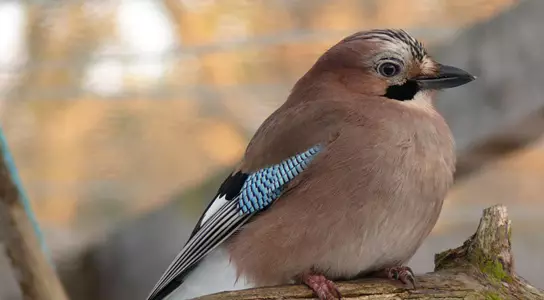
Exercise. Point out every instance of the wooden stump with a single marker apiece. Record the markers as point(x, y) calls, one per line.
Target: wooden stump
point(481, 268)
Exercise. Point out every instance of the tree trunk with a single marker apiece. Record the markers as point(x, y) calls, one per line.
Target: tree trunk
point(481, 268)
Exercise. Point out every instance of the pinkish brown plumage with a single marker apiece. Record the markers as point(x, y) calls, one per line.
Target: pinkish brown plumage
point(371, 195)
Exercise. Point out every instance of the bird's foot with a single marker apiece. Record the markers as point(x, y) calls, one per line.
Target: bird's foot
point(322, 287)
point(401, 273)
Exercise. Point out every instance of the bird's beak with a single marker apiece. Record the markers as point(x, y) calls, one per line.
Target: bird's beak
point(447, 77)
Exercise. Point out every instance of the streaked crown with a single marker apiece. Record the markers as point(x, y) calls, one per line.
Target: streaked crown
point(394, 38)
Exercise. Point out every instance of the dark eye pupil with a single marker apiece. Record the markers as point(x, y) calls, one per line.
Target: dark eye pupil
point(388, 69)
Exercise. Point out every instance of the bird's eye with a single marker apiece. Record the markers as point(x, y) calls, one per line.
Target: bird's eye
point(389, 69)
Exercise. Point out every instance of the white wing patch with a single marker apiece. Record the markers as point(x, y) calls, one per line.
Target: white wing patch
point(216, 205)
point(214, 274)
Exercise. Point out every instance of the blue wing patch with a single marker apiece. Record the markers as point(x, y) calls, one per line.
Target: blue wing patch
point(266, 185)
point(242, 195)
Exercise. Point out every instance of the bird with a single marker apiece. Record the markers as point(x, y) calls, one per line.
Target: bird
point(344, 180)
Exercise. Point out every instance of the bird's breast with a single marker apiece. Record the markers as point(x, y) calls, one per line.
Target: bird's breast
point(368, 205)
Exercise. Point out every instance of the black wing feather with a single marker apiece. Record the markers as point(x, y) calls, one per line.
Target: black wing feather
point(205, 237)
point(230, 188)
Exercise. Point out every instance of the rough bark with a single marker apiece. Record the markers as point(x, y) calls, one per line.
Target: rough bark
point(481, 268)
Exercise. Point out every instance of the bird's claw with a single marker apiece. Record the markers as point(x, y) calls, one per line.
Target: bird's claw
point(322, 287)
point(403, 274)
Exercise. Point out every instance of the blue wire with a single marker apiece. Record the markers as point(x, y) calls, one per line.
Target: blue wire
point(8, 159)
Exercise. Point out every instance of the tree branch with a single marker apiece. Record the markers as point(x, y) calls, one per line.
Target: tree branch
point(481, 268)
point(36, 277)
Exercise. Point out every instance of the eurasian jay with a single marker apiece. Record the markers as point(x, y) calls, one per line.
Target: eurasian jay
point(345, 179)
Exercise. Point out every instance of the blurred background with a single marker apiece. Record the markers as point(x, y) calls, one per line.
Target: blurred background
point(125, 116)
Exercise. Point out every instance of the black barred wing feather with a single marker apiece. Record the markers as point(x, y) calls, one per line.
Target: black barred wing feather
point(238, 199)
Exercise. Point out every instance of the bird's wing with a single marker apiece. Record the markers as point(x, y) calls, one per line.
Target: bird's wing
point(239, 198)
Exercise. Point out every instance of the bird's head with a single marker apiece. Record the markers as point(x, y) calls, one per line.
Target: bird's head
point(389, 63)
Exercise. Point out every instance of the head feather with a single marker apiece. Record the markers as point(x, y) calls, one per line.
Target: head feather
point(394, 37)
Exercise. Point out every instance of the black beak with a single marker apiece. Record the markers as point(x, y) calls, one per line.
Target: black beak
point(447, 77)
